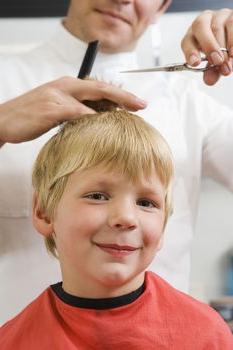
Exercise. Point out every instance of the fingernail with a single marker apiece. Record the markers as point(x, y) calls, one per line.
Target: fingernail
point(216, 57)
point(141, 102)
point(193, 59)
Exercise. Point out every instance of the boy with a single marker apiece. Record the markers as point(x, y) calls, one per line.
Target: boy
point(198, 129)
point(102, 199)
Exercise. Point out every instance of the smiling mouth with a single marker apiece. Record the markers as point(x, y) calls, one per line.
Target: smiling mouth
point(117, 247)
point(117, 250)
point(113, 15)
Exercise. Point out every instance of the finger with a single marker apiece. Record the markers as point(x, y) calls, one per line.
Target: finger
point(211, 76)
point(122, 98)
point(204, 36)
point(229, 34)
point(191, 49)
point(77, 108)
point(95, 90)
point(69, 110)
point(226, 68)
point(218, 27)
point(99, 90)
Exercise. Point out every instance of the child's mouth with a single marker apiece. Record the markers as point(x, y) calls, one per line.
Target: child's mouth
point(117, 250)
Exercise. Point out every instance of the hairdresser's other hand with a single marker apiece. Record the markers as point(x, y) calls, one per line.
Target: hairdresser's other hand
point(32, 114)
point(211, 31)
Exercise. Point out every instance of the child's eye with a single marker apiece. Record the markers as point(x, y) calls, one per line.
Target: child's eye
point(97, 196)
point(146, 203)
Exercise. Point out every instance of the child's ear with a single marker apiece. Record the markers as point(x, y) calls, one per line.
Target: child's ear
point(40, 221)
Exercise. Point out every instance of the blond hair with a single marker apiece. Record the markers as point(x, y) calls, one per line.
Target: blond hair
point(114, 139)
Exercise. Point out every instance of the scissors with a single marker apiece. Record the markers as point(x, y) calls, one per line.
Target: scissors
point(176, 67)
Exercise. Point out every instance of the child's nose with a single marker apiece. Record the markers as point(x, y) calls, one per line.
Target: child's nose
point(123, 217)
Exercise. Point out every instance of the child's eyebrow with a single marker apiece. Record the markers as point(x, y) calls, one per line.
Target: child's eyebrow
point(151, 192)
point(143, 189)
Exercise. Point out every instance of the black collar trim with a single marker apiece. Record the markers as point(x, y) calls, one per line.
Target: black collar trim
point(97, 304)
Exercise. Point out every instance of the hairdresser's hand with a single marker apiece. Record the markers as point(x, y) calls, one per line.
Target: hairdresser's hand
point(211, 31)
point(32, 114)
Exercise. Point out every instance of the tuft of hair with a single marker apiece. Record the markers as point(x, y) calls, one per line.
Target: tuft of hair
point(114, 139)
point(100, 106)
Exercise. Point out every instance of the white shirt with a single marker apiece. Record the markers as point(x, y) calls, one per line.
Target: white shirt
point(198, 130)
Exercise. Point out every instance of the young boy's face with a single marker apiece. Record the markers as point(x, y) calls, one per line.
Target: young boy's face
point(107, 231)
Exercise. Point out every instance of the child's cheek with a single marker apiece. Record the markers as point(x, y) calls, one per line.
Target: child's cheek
point(152, 234)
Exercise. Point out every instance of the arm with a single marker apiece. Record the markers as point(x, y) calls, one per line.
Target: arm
point(210, 31)
point(34, 113)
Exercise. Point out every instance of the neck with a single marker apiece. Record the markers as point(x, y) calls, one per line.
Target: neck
point(70, 25)
point(98, 289)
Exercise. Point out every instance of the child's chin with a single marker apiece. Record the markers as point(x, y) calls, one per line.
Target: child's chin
point(116, 276)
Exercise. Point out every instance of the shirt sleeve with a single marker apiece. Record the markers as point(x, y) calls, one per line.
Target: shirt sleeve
point(214, 122)
point(217, 154)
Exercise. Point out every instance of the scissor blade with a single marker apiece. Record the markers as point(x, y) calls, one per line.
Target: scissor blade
point(147, 70)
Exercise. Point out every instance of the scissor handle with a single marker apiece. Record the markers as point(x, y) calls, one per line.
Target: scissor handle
point(199, 69)
point(203, 59)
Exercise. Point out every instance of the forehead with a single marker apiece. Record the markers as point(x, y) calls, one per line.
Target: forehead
point(102, 177)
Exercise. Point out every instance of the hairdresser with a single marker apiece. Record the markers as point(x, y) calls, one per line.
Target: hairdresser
point(198, 129)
